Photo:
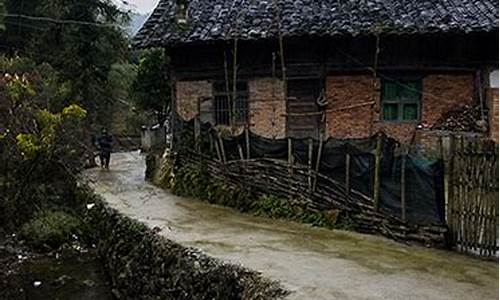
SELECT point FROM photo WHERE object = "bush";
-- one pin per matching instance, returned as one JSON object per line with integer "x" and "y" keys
{"x": 52, "y": 229}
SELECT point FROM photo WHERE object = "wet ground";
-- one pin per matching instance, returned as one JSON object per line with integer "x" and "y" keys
{"x": 76, "y": 276}
{"x": 314, "y": 263}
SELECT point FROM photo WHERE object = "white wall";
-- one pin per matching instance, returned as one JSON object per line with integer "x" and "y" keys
{"x": 494, "y": 79}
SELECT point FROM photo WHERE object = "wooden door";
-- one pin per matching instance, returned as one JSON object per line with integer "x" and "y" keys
{"x": 303, "y": 113}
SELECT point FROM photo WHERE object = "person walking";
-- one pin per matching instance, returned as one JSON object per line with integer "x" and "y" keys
{"x": 105, "y": 145}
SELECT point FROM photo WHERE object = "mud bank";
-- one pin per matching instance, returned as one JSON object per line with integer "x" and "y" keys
{"x": 144, "y": 265}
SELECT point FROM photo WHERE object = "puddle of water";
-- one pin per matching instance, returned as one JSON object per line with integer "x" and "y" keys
{"x": 75, "y": 277}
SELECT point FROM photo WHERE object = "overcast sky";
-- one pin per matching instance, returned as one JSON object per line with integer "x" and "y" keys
{"x": 141, "y": 6}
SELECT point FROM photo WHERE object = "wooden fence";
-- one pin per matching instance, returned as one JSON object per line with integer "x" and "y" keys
{"x": 471, "y": 193}
{"x": 276, "y": 177}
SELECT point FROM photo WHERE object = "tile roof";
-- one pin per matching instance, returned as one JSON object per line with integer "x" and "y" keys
{"x": 211, "y": 20}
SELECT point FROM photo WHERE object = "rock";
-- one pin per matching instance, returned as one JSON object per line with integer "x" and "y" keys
{"x": 61, "y": 281}
{"x": 89, "y": 283}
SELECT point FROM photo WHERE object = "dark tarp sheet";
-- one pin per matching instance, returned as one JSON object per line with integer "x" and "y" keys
{"x": 424, "y": 191}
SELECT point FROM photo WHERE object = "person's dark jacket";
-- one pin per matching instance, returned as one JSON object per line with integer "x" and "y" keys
{"x": 105, "y": 143}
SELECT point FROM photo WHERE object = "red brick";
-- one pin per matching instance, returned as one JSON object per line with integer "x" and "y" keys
{"x": 343, "y": 120}
{"x": 267, "y": 107}
{"x": 440, "y": 93}
{"x": 492, "y": 96}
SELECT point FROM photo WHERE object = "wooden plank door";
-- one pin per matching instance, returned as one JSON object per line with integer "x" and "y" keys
{"x": 303, "y": 119}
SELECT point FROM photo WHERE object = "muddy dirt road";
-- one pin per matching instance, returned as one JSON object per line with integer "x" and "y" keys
{"x": 313, "y": 263}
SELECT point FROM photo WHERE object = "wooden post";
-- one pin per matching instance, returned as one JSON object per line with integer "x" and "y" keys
{"x": 211, "y": 141}
{"x": 318, "y": 162}
{"x": 376, "y": 184}
{"x": 446, "y": 149}
{"x": 290, "y": 156}
{"x": 221, "y": 145}
{"x": 197, "y": 127}
{"x": 216, "y": 143}
{"x": 247, "y": 140}
{"x": 348, "y": 174}
{"x": 240, "y": 151}
{"x": 309, "y": 163}
{"x": 403, "y": 186}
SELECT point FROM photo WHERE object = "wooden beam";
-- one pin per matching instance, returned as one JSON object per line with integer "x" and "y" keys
{"x": 376, "y": 184}
{"x": 247, "y": 140}
{"x": 348, "y": 174}
{"x": 318, "y": 162}
{"x": 403, "y": 187}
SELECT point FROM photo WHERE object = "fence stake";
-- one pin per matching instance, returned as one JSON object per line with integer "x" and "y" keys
{"x": 403, "y": 187}
{"x": 290, "y": 157}
{"x": 197, "y": 126}
{"x": 348, "y": 174}
{"x": 318, "y": 162}
{"x": 240, "y": 151}
{"x": 446, "y": 151}
{"x": 376, "y": 184}
{"x": 247, "y": 140}
{"x": 309, "y": 163}
{"x": 216, "y": 144}
{"x": 221, "y": 144}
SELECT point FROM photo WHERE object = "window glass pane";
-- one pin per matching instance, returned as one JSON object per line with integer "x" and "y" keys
{"x": 410, "y": 91}
{"x": 391, "y": 91}
{"x": 410, "y": 111}
{"x": 390, "y": 111}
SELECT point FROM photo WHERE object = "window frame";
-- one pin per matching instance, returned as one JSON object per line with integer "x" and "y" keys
{"x": 400, "y": 101}
{"x": 240, "y": 94}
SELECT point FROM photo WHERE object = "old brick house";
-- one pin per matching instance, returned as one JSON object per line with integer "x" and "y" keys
{"x": 344, "y": 69}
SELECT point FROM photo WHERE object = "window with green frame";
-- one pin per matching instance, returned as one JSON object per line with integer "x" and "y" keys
{"x": 401, "y": 100}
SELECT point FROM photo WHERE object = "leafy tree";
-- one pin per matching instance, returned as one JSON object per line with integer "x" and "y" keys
{"x": 80, "y": 39}
{"x": 150, "y": 89}
{"x": 40, "y": 150}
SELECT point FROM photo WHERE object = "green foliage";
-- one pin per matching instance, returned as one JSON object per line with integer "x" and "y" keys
{"x": 83, "y": 54}
{"x": 40, "y": 149}
{"x": 18, "y": 88}
{"x": 31, "y": 144}
{"x": 151, "y": 90}
{"x": 52, "y": 229}
{"x": 28, "y": 144}
{"x": 195, "y": 182}
{"x": 74, "y": 111}
{"x": 276, "y": 207}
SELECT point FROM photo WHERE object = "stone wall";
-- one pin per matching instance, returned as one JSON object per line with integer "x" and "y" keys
{"x": 144, "y": 265}
{"x": 267, "y": 107}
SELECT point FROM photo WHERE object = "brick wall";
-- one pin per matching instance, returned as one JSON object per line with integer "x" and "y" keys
{"x": 188, "y": 93}
{"x": 444, "y": 92}
{"x": 267, "y": 107}
{"x": 349, "y": 111}
{"x": 350, "y": 108}
{"x": 350, "y": 114}
{"x": 492, "y": 96}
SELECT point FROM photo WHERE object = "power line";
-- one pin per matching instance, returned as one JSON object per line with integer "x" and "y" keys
{"x": 62, "y": 21}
